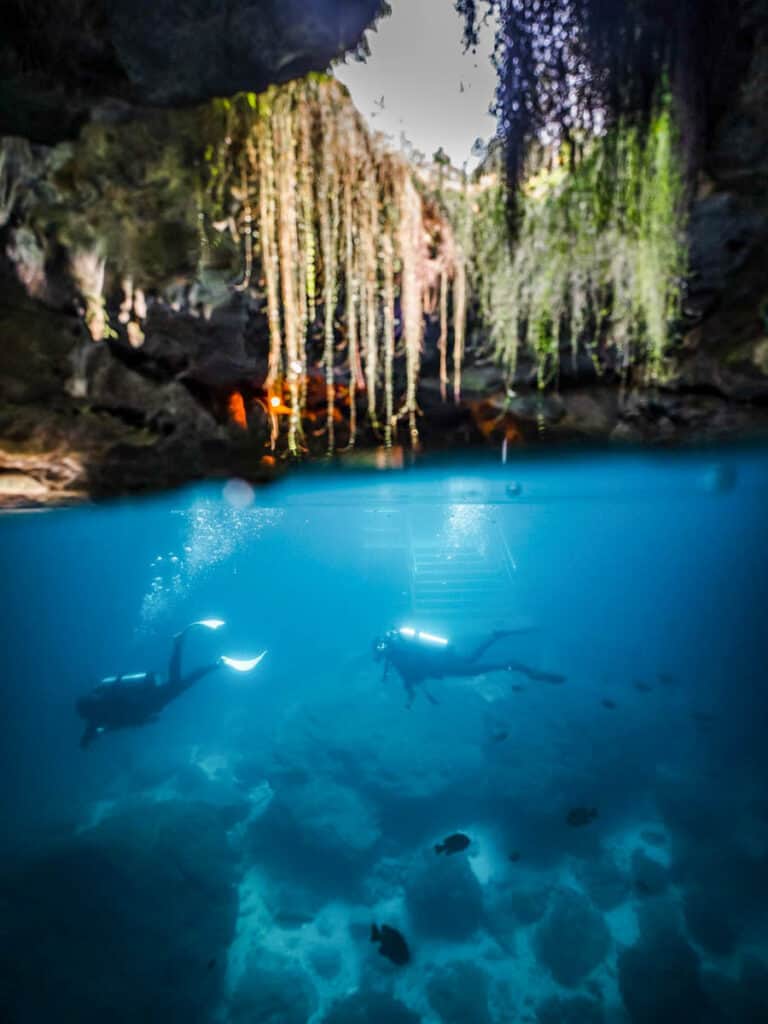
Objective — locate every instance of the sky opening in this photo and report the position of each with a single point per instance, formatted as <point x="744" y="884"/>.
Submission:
<point x="420" y="87"/>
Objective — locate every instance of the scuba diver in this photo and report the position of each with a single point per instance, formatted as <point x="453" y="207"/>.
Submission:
<point x="417" y="656"/>
<point x="130" y="701"/>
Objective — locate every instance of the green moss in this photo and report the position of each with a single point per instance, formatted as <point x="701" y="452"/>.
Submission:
<point x="598" y="257"/>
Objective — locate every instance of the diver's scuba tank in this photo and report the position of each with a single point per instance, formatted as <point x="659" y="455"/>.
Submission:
<point x="134" y="679"/>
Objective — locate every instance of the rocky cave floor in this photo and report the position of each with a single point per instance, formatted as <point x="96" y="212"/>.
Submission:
<point x="226" y="885"/>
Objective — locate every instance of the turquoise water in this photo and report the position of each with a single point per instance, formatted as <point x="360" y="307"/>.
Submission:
<point x="226" y="861"/>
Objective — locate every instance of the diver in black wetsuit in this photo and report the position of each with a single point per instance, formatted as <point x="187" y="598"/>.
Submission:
<point x="125" y="702"/>
<point x="418" y="656"/>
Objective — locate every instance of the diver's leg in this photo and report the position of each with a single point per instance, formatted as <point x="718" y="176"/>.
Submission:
<point x="410" y="690"/>
<point x="532" y="673"/>
<point x="430" y="698"/>
<point x="90" y="734"/>
<point x="174" y="664"/>
<point x="482" y="647"/>
<point x="172" y="691"/>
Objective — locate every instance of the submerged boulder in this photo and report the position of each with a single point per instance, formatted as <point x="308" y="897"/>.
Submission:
<point x="660" y="981"/>
<point x="126" y="921"/>
<point x="578" y="1010"/>
<point x="444" y="898"/>
<point x="318" y="829"/>
<point x="708" y="917"/>
<point x="648" y="874"/>
<point x="458" y="993"/>
<point x="272" y="991"/>
<point x="604" y="883"/>
<point x="573" y="939"/>
<point x="370" y="1007"/>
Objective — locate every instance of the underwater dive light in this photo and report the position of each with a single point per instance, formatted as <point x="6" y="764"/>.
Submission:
<point x="242" y="665"/>
<point x="429" y="638"/>
<point x="210" y="623"/>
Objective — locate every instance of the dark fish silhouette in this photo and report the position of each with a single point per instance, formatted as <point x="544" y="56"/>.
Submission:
<point x="211" y="964"/>
<point x="642" y="687"/>
<point x="517" y="688"/>
<point x="514" y="856"/>
<point x="610" y="704"/>
<point x="453" y="844"/>
<point x="499" y="736"/>
<point x="666" y="679"/>
<point x="392" y="945"/>
<point x="580" y="816"/>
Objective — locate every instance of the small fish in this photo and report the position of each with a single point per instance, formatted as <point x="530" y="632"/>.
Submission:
<point x="499" y="736"/>
<point x="610" y="704"/>
<point x="666" y="679"/>
<point x="642" y="687"/>
<point x="517" y="688"/>
<point x="211" y="964"/>
<point x="453" y="844"/>
<point x="392" y="945"/>
<point x="514" y="857"/>
<point x="580" y="816"/>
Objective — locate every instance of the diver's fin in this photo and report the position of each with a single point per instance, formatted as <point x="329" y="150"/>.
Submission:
<point x="241" y="664"/>
<point x="439" y="847"/>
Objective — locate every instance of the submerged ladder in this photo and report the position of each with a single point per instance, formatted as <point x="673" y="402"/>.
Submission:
<point x="455" y="583"/>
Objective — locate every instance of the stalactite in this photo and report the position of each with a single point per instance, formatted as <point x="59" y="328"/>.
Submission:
<point x="411" y="293"/>
<point x="459" y="325"/>
<point x="351" y="303"/>
<point x="329" y="242"/>
<point x="371" y="229"/>
<point x="388" y="295"/>
<point x="288" y="247"/>
<point x="442" y="344"/>
<point x="342" y="230"/>
<point x="270" y="258"/>
<point x="306" y="268"/>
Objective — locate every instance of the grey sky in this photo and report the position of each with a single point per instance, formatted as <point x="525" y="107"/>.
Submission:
<point x="419" y="81"/>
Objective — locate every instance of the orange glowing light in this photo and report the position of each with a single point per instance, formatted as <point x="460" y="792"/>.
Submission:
<point x="274" y="401"/>
<point x="236" y="409"/>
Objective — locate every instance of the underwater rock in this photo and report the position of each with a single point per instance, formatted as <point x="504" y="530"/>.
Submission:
<point x="290" y="903"/>
<point x="60" y="62"/>
<point x="650" y="877"/>
<point x="660" y="981"/>
<point x="393" y="767"/>
<point x="573" y="939"/>
<point x="525" y="903"/>
<point x="458" y="993"/>
<point x="744" y="1001"/>
<point x="319" y="830"/>
<point x="370" y="1007"/>
<point x="708" y="917"/>
<point x="149" y="896"/>
<point x="272" y="991"/>
<point x="325" y="960"/>
<point x="443" y="897"/>
<point x="575" y="1010"/>
<point x="604" y="883"/>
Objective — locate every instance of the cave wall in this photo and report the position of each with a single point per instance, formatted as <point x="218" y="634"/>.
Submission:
<point x="145" y="406"/>
<point x="60" y="58"/>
